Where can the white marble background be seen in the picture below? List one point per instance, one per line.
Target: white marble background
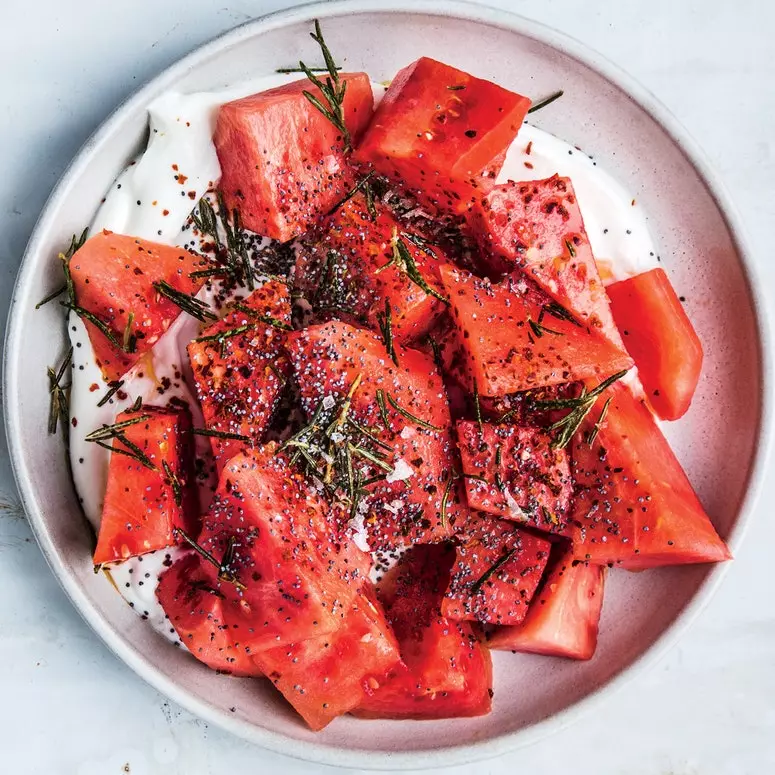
(69, 706)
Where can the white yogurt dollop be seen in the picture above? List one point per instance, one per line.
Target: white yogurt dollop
(153, 198)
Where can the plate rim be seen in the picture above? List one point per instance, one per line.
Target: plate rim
(467, 752)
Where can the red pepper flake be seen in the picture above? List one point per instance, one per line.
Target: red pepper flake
(192, 194)
(122, 396)
(155, 202)
(175, 167)
(528, 165)
(529, 148)
(94, 386)
(633, 203)
(188, 123)
(165, 212)
(181, 178)
(74, 422)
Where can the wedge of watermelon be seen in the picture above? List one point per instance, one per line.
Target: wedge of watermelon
(283, 162)
(240, 369)
(365, 260)
(405, 409)
(564, 617)
(537, 227)
(446, 673)
(513, 473)
(441, 133)
(113, 277)
(496, 571)
(515, 340)
(634, 505)
(150, 492)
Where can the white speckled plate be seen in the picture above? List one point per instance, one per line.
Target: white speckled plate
(702, 248)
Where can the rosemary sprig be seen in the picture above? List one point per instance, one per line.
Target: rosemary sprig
(445, 500)
(436, 349)
(411, 417)
(76, 243)
(59, 409)
(382, 406)
(478, 409)
(174, 482)
(385, 322)
(547, 101)
(402, 259)
(580, 407)
(129, 344)
(333, 90)
(110, 431)
(476, 587)
(361, 185)
(571, 248)
(224, 574)
(222, 337)
(189, 304)
(286, 70)
(592, 435)
(539, 329)
(456, 87)
(113, 388)
(100, 325)
(115, 432)
(219, 434)
(556, 310)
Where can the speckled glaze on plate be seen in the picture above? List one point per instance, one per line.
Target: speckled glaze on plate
(702, 247)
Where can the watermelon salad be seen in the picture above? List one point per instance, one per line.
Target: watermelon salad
(362, 391)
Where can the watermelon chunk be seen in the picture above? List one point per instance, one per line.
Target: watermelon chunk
(416, 501)
(352, 271)
(514, 342)
(442, 133)
(113, 278)
(326, 676)
(188, 593)
(537, 227)
(513, 473)
(497, 569)
(564, 617)
(446, 673)
(283, 162)
(146, 501)
(239, 378)
(634, 504)
(285, 576)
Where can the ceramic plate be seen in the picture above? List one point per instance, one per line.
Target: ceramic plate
(701, 246)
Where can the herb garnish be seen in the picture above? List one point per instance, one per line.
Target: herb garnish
(224, 574)
(76, 243)
(456, 87)
(113, 387)
(189, 304)
(592, 435)
(333, 90)
(59, 409)
(329, 445)
(539, 329)
(478, 408)
(286, 70)
(437, 358)
(256, 315)
(445, 500)
(580, 407)
(403, 260)
(385, 322)
(174, 482)
(409, 416)
(220, 434)
(476, 587)
(361, 185)
(234, 253)
(548, 101)
(571, 248)
(115, 432)
(100, 325)
(129, 344)
(556, 310)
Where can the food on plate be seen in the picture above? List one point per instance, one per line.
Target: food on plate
(661, 339)
(370, 408)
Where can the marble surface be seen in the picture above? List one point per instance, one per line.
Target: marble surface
(69, 706)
